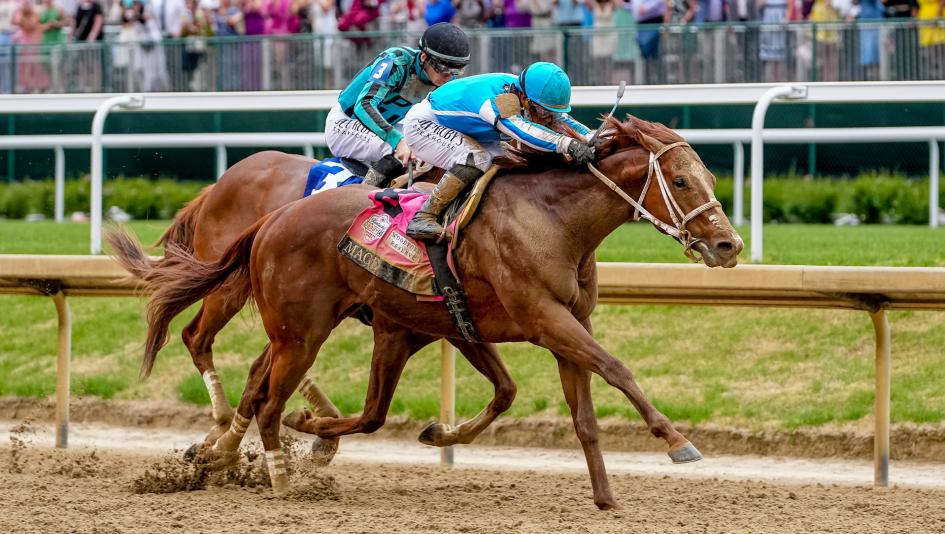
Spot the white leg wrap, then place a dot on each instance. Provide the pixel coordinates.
(275, 461)
(309, 391)
(215, 389)
(239, 424)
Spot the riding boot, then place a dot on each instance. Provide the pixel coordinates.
(424, 224)
(383, 171)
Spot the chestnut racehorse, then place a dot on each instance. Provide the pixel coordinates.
(527, 263)
(209, 224)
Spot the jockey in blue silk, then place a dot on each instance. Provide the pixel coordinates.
(459, 126)
(361, 125)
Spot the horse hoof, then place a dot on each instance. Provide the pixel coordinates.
(294, 419)
(323, 450)
(191, 453)
(428, 435)
(608, 505)
(685, 453)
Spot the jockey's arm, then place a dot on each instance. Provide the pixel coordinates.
(533, 135)
(385, 75)
(582, 130)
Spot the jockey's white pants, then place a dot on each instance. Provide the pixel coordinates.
(433, 143)
(347, 137)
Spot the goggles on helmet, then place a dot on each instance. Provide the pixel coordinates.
(445, 67)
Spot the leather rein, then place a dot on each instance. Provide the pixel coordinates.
(679, 218)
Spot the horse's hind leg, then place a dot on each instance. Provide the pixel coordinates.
(215, 312)
(485, 358)
(291, 358)
(576, 383)
(233, 436)
(393, 346)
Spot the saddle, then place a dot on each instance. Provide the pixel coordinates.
(377, 242)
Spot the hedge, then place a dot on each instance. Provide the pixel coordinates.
(875, 198)
(140, 197)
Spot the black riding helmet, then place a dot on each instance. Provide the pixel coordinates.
(446, 46)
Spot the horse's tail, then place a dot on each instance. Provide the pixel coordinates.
(179, 280)
(182, 229)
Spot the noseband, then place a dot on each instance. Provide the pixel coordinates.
(679, 217)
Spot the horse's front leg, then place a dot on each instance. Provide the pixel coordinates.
(562, 334)
(485, 358)
(323, 450)
(576, 383)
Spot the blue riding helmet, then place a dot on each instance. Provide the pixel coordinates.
(547, 85)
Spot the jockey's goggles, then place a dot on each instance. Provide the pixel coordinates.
(444, 67)
(538, 113)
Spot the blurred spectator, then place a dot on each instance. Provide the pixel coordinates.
(773, 39)
(827, 40)
(516, 14)
(435, 11)
(569, 13)
(89, 19)
(254, 23)
(627, 51)
(406, 15)
(195, 28)
(495, 13)
(513, 48)
(604, 43)
(303, 9)
(169, 16)
(53, 20)
(651, 12)
(85, 62)
(359, 17)
(544, 45)
(470, 13)
(905, 41)
(932, 39)
(7, 29)
(32, 76)
(326, 27)
(282, 21)
(869, 10)
(227, 21)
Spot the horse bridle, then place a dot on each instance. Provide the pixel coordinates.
(679, 217)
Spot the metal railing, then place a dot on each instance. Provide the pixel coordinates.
(640, 54)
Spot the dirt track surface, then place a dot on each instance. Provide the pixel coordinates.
(86, 491)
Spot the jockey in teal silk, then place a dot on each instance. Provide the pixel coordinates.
(362, 125)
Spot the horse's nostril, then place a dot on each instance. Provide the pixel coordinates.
(726, 246)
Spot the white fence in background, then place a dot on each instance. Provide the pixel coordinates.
(760, 95)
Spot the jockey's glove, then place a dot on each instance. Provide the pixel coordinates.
(581, 153)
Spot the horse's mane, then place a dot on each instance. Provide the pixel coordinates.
(615, 135)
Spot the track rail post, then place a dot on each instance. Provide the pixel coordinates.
(881, 433)
(62, 369)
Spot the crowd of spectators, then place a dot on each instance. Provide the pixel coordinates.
(137, 28)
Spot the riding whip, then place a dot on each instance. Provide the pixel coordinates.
(620, 90)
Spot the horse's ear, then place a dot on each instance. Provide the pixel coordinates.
(647, 142)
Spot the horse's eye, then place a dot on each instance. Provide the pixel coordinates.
(679, 182)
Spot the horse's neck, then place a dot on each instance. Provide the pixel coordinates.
(579, 202)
